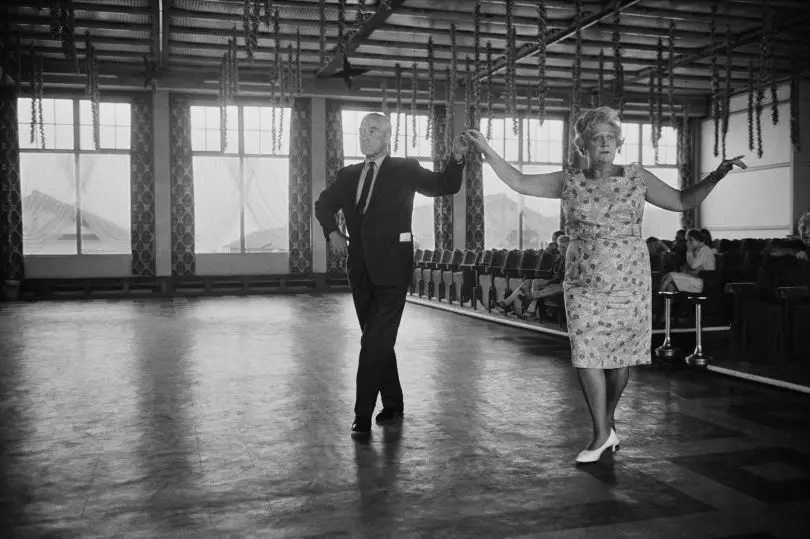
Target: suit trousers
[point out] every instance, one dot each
(379, 311)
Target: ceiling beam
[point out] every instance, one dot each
(366, 29)
(531, 49)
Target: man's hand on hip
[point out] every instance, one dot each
(337, 242)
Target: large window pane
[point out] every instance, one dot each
(500, 213)
(105, 203)
(630, 152)
(216, 204)
(205, 129)
(667, 146)
(267, 205)
(49, 203)
(57, 124)
(541, 216)
(658, 222)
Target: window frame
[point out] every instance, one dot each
(77, 151)
(241, 155)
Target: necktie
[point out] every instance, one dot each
(361, 204)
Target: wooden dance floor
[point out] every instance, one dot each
(230, 417)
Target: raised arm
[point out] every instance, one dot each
(548, 185)
(448, 181)
(436, 184)
(662, 195)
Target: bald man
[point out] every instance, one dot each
(376, 197)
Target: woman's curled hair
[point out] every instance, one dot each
(592, 117)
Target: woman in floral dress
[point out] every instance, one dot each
(607, 279)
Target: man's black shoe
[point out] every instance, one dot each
(389, 414)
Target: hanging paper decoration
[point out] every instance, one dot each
(299, 73)
(600, 88)
(727, 93)
(576, 91)
(37, 93)
(467, 93)
(322, 33)
(542, 38)
(228, 87)
(795, 81)
(529, 100)
(671, 74)
(91, 88)
(770, 62)
(751, 105)
(715, 81)
(384, 88)
(448, 106)
(63, 29)
(511, 92)
(651, 108)
(267, 16)
(659, 97)
(450, 113)
(431, 88)
(476, 83)
(251, 18)
(490, 97)
(618, 69)
(278, 74)
(398, 78)
(414, 87)
(341, 25)
(758, 106)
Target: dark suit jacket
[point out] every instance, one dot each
(375, 238)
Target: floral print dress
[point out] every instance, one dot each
(608, 285)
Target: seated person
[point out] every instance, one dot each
(780, 269)
(699, 257)
(656, 246)
(797, 248)
(532, 290)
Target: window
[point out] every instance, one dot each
(76, 198)
(638, 148)
(423, 217)
(241, 194)
(511, 220)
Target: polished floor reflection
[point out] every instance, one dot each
(229, 417)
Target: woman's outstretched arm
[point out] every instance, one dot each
(537, 185)
(662, 195)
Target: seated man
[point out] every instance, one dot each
(699, 257)
(532, 290)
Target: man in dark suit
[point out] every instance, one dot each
(376, 197)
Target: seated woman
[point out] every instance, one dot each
(532, 290)
(699, 257)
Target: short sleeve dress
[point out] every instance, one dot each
(608, 285)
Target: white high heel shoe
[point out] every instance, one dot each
(594, 455)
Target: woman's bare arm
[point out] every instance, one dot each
(547, 185)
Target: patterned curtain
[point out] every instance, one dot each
(685, 171)
(182, 186)
(142, 181)
(334, 162)
(442, 206)
(475, 194)
(11, 222)
(301, 186)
